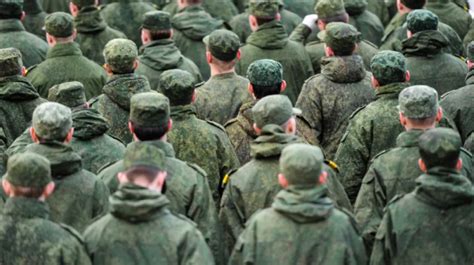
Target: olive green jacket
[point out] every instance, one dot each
(51, 6)
(220, 9)
(451, 14)
(380, 9)
(270, 41)
(469, 36)
(300, 7)
(65, 63)
(34, 19)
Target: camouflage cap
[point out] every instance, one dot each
(274, 109)
(265, 72)
(439, 147)
(149, 110)
(70, 94)
(264, 8)
(120, 54)
(11, 7)
(326, 9)
(84, 3)
(223, 44)
(143, 154)
(341, 37)
(421, 20)
(301, 164)
(388, 67)
(28, 170)
(355, 7)
(177, 85)
(418, 102)
(10, 62)
(59, 24)
(52, 121)
(470, 51)
(157, 21)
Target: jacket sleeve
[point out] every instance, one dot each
(245, 248)
(385, 245)
(300, 33)
(195, 251)
(101, 199)
(310, 121)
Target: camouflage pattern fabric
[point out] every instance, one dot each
(367, 23)
(300, 7)
(51, 6)
(397, 21)
(380, 9)
(449, 13)
(421, 20)
(469, 36)
(128, 234)
(220, 9)
(34, 19)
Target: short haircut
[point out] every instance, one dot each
(263, 91)
(160, 34)
(414, 4)
(149, 133)
(339, 18)
(261, 21)
(27, 192)
(346, 51)
(149, 173)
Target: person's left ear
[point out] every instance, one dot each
(283, 86)
(108, 69)
(278, 16)
(422, 165)
(257, 130)
(208, 57)
(193, 99)
(291, 126)
(48, 190)
(122, 177)
(33, 135)
(159, 181)
(439, 114)
(135, 64)
(23, 71)
(375, 82)
(239, 54)
(323, 177)
(459, 164)
(7, 187)
(69, 136)
(329, 52)
(282, 181)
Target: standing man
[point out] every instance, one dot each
(34, 18)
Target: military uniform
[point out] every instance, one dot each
(221, 9)
(51, 6)
(469, 36)
(368, 24)
(450, 13)
(300, 7)
(241, 132)
(34, 19)
(380, 9)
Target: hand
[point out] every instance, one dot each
(310, 21)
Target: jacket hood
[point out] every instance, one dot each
(425, 43)
(120, 88)
(89, 20)
(161, 55)
(271, 142)
(304, 205)
(391, 90)
(136, 204)
(444, 188)
(470, 77)
(195, 23)
(355, 7)
(343, 69)
(182, 112)
(270, 36)
(17, 88)
(166, 147)
(409, 138)
(246, 119)
(64, 161)
(88, 124)
(26, 208)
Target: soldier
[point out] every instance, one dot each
(114, 104)
(187, 186)
(368, 24)
(191, 24)
(14, 35)
(140, 227)
(270, 41)
(126, 16)
(18, 99)
(328, 99)
(394, 171)
(453, 15)
(80, 196)
(302, 226)
(220, 98)
(418, 227)
(159, 52)
(92, 31)
(27, 236)
(204, 143)
(423, 52)
(34, 18)
(253, 186)
(65, 61)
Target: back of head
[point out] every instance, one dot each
(413, 4)
(120, 56)
(178, 86)
(331, 11)
(266, 76)
(440, 147)
(149, 115)
(11, 9)
(422, 20)
(52, 121)
(355, 7)
(418, 102)
(223, 44)
(301, 164)
(10, 62)
(83, 3)
(388, 67)
(341, 38)
(158, 23)
(273, 110)
(59, 25)
(264, 10)
(70, 94)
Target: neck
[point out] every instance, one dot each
(216, 71)
(404, 11)
(409, 127)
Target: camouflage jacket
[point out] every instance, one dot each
(423, 53)
(221, 97)
(300, 7)
(315, 49)
(441, 202)
(114, 104)
(32, 48)
(34, 19)
(79, 196)
(140, 229)
(188, 192)
(25, 223)
(221, 9)
(380, 9)
(270, 41)
(367, 23)
(64, 63)
(391, 173)
(203, 143)
(51, 6)
(93, 33)
(451, 14)
(161, 55)
(301, 227)
(328, 99)
(254, 186)
(395, 23)
(126, 16)
(191, 25)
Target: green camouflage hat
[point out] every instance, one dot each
(418, 102)
(149, 110)
(421, 20)
(59, 24)
(11, 8)
(439, 147)
(52, 121)
(143, 154)
(341, 37)
(223, 44)
(70, 94)
(157, 21)
(83, 3)
(264, 8)
(470, 51)
(326, 9)
(413, 4)
(28, 170)
(10, 62)
(274, 109)
(265, 72)
(301, 164)
(355, 7)
(178, 86)
(388, 67)
(120, 54)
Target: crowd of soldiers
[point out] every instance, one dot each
(236, 132)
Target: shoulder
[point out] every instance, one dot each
(313, 79)
(71, 231)
(369, 45)
(466, 152)
(230, 123)
(197, 169)
(357, 111)
(30, 69)
(216, 125)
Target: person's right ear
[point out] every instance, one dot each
(208, 57)
(282, 181)
(375, 82)
(108, 69)
(250, 89)
(122, 177)
(7, 187)
(283, 86)
(257, 130)
(33, 135)
(422, 165)
(48, 190)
